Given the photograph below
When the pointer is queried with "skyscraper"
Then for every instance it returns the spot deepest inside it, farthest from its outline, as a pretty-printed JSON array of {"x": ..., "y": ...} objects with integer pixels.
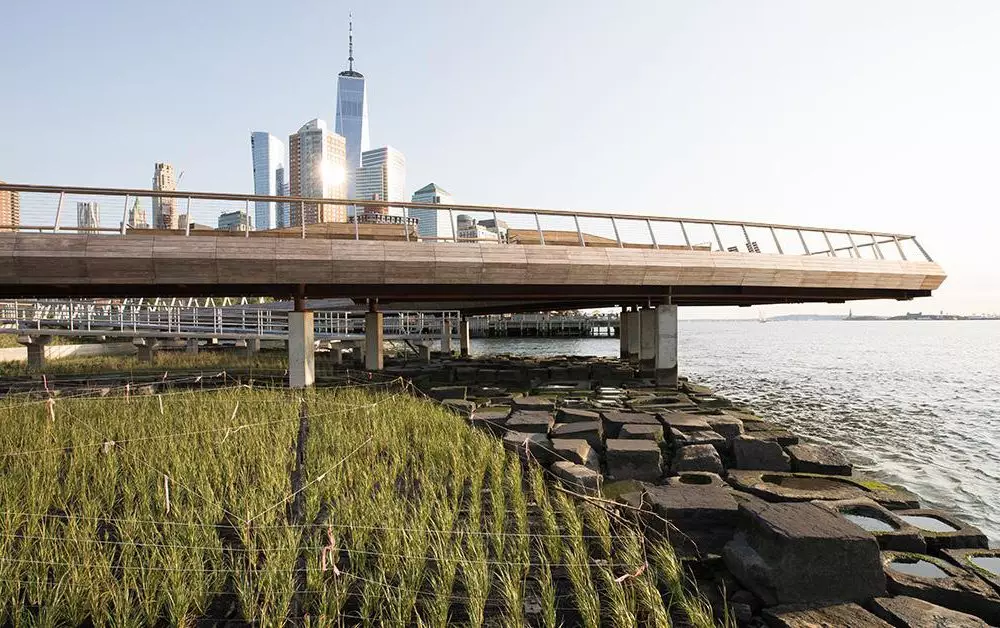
[
  {"x": 433, "y": 224},
  {"x": 137, "y": 217},
  {"x": 317, "y": 164},
  {"x": 352, "y": 113},
  {"x": 269, "y": 179},
  {"x": 88, "y": 215},
  {"x": 10, "y": 209},
  {"x": 164, "y": 209},
  {"x": 382, "y": 172},
  {"x": 234, "y": 221}
]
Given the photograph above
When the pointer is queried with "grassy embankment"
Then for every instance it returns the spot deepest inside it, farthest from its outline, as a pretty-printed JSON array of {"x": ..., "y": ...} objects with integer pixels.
[
  {"x": 165, "y": 361},
  {"x": 187, "y": 505}
]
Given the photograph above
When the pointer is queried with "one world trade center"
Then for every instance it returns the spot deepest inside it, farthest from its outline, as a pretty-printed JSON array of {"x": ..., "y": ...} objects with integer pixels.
[{"x": 352, "y": 113}]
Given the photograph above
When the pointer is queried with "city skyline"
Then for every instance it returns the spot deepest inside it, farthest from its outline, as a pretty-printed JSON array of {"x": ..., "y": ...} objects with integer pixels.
[
  {"x": 351, "y": 118},
  {"x": 88, "y": 215},
  {"x": 270, "y": 178},
  {"x": 317, "y": 168}
]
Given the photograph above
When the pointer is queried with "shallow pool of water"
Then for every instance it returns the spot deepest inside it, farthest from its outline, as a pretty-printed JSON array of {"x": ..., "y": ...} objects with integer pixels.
[
  {"x": 872, "y": 524},
  {"x": 931, "y": 524},
  {"x": 918, "y": 567},
  {"x": 989, "y": 563}
]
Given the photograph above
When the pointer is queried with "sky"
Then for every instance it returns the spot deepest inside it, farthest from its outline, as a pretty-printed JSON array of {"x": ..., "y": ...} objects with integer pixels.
[{"x": 869, "y": 114}]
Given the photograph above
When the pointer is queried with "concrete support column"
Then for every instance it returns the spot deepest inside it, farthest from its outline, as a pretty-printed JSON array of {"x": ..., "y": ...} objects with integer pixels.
[
  {"x": 666, "y": 346},
  {"x": 647, "y": 341},
  {"x": 191, "y": 346},
  {"x": 424, "y": 352},
  {"x": 373, "y": 341},
  {"x": 253, "y": 346},
  {"x": 146, "y": 349},
  {"x": 336, "y": 353},
  {"x": 632, "y": 322},
  {"x": 623, "y": 335},
  {"x": 446, "y": 337},
  {"x": 463, "y": 337},
  {"x": 36, "y": 350},
  {"x": 301, "y": 350}
]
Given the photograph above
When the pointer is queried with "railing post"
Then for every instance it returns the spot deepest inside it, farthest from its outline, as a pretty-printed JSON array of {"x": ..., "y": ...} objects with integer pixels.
[
  {"x": 579, "y": 232},
  {"x": 246, "y": 218},
  {"x": 715, "y": 230},
  {"x": 854, "y": 246},
  {"x": 125, "y": 215},
  {"x": 187, "y": 217},
  {"x": 776, "y": 242},
  {"x": 878, "y": 249},
  {"x": 451, "y": 222},
  {"x": 496, "y": 225},
  {"x": 899, "y": 247},
  {"x": 357, "y": 229},
  {"x": 922, "y": 251},
  {"x": 538, "y": 225},
  {"x": 829, "y": 245},
  {"x": 618, "y": 238},
  {"x": 687, "y": 241},
  {"x": 652, "y": 236},
  {"x": 802, "y": 238},
  {"x": 62, "y": 195}
]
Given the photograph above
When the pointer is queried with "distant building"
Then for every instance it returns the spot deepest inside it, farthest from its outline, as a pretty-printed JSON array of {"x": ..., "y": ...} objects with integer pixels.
[
  {"x": 481, "y": 230},
  {"x": 351, "y": 121},
  {"x": 382, "y": 173},
  {"x": 164, "y": 209},
  {"x": 270, "y": 178},
  {"x": 433, "y": 223},
  {"x": 317, "y": 159},
  {"x": 234, "y": 221},
  {"x": 137, "y": 217},
  {"x": 10, "y": 209},
  {"x": 88, "y": 215},
  {"x": 379, "y": 215}
]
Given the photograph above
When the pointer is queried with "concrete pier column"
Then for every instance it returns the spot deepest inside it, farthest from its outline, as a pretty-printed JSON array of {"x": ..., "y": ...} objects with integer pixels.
[
  {"x": 301, "y": 350},
  {"x": 146, "y": 349},
  {"x": 623, "y": 335},
  {"x": 446, "y": 337},
  {"x": 632, "y": 322},
  {"x": 373, "y": 341},
  {"x": 191, "y": 346},
  {"x": 36, "y": 350},
  {"x": 666, "y": 346},
  {"x": 647, "y": 341},
  {"x": 463, "y": 337},
  {"x": 336, "y": 353},
  {"x": 253, "y": 346},
  {"x": 424, "y": 352}
]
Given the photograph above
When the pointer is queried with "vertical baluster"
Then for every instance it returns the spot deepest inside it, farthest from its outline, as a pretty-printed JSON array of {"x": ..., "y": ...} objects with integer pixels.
[
  {"x": 687, "y": 241},
  {"x": 776, "y": 242},
  {"x": 652, "y": 236},
  {"x": 829, "y": 245},
  {"x": 715, "y": 230},
  {"x": 579, "y": 232},
  {"x": 618, "y": 238}
]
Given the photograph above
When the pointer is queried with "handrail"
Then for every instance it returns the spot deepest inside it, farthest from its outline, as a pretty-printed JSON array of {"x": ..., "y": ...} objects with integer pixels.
[{"x": 217, "y": 196}]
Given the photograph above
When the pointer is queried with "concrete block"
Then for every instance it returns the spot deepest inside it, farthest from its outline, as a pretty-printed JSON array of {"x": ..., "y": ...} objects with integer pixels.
[
  {"x": 633, "y": 459},
  {"x": 818, "y": 459},
  {"x": 752, "y": 453}
]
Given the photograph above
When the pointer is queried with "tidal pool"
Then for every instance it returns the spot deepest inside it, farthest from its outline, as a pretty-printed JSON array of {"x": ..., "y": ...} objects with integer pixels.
[
  {"x": 931, "y": 524},
  {"x": 918, "y": 567}
]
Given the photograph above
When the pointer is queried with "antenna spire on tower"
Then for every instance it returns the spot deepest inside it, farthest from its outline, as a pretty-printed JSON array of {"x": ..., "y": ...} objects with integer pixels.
[{"x": 350, "y": 41}]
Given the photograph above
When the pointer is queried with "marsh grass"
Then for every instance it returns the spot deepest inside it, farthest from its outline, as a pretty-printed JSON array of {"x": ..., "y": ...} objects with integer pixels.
[{"x": 410, "y": 518}]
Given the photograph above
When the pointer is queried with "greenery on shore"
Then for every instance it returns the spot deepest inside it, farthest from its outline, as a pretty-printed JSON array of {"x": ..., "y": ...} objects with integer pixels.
[
  {"x": 136, "y": 510},
  {"x": 165, "y": 361}
]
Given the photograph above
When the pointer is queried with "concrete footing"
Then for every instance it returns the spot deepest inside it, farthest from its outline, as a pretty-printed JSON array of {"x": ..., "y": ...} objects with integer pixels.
[
  {"x": 623, "y": 334},
  {"x": 424, "y": 352},
  {"x": 301, "y": 350},
  {"x": 647, "y": 339},
  {"x": 36, "y": 350},
  {"x": 665, "y": 363},
  {"x": 632, "y": 335},
  {"x": 191, "y": 346},
  {"x": 146, "y": 349},
  {"x": 373, "y": 341},
  {"x": 446, "y": 337}
]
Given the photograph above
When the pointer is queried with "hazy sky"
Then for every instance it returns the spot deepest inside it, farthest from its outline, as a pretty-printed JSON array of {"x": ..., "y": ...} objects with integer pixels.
[{"x": 882, "y": 115}]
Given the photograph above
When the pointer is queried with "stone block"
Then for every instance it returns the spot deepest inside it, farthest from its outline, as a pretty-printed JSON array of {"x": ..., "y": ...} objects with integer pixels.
[
  {"x": 466, "y": 373},
  {"x": 533, "y": 403},
  {"x": 685, "y": 422},
  {"x": 576, "y": 415},
  {"x": 818, "y": 459},
  {"x": 578, "y": 477},
  {"x": 939, "y": 582},
  {"x": 637, "y": 430},
  {"x": 729, "y": 427},
  {"x": 799, "y": 553},
  {"x": 614, "y": 420},
  {"x": 633, "y": 459},
  {"x": 699, "y": 437},
  {"x": 985, "y": 563},
  {"x": 592, "y": 432},
  {"x": 491, "y": 419},
  {"x": 835, "y": 616},
  {"x": 943, "y": 531},
  {"x": 509, "y": 376},
  {"x": 447, "y": 392},
  {"x": 530, "y": 421},
  {"x": 891, "y": 532},
  {"x": 781, "y": 436},
  {"x": 697, "y": 478},
  {"x": 463, "y": 407},
  {"x": 752, "y": 453},
  {"x": 530, "y": 446},
  {"x": 697, "y": 458},
  {"x": 910, "y": 612},
  {"x": 791, "y": 487},
  {"x": 576, "y": 450},
  {"x": 703, "y": 517}
]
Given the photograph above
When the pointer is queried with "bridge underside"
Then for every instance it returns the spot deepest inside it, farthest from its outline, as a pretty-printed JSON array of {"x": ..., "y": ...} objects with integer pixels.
[{"x": 477, "y": 278}]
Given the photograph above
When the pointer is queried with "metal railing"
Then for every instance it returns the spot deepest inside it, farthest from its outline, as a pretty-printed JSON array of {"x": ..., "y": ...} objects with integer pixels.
[
  {"x": 45, "y": 209},
  {"x": 91, "y": 318}
]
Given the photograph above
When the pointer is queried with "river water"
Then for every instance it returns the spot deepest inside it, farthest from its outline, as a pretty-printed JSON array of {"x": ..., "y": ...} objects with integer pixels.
[{"x": 915, "y": 403}]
